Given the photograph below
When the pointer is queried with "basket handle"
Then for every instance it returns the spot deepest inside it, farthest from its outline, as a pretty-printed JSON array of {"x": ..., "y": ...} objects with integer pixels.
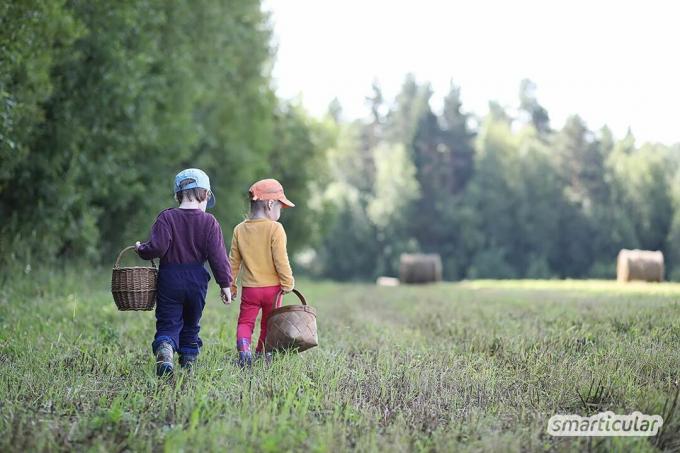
[
  {"x": 279, "y": 296},
  {"x": 132, "y": 247}
]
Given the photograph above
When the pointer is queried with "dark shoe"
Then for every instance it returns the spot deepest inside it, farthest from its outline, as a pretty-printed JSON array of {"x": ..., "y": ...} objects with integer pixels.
[
  {"x": 187, "y": 361},
  {"x": 245, "y": 359},
  {"x": 164, "y": 359}
]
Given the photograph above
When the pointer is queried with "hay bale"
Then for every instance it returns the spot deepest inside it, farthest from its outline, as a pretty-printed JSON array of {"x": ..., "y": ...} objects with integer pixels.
[
  {"x": 644, "y": 265},
  {"x": 420, "y": 268},
  {"x": 387, "y": 281}
]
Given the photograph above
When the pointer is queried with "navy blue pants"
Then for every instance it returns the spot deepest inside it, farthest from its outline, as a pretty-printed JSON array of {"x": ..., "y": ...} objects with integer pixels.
[{"x": 179, "y": 306}]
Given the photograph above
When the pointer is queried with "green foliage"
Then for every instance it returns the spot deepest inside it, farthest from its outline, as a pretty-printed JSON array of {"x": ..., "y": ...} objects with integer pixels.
[
  {"x": 33, "y": 35},
  {"x": 538, "y": 115},
  {"x": 643, "y": 181},
  {"x": 296, "y": 162},
  {"x": 350, "y": 248},
  {"x": 395, "y": 184},
  {"x": 510, "y": 198},
  {"x": 104, "y": 102}
]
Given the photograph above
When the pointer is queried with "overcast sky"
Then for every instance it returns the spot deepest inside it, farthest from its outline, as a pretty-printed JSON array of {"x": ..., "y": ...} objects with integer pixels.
[{"x": 613, "y": 62}]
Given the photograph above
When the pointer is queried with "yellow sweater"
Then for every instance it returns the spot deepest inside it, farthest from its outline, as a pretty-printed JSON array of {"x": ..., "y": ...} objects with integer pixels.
[{"x": 259, "y": 255}]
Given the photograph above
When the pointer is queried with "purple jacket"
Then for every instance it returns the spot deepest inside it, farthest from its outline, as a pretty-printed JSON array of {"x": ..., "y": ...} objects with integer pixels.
[{"x": 182, "y": 236}]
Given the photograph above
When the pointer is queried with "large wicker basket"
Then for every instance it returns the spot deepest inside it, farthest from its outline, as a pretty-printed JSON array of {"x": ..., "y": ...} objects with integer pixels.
[
  {"x": 292, "y": 327},
  {"x": 133, "y": 288}
]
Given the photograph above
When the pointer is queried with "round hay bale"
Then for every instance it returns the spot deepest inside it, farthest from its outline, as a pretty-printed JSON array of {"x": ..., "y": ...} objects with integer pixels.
[
  {"x": 420, "y": 268},
  {"x": 642, "y": 265}
]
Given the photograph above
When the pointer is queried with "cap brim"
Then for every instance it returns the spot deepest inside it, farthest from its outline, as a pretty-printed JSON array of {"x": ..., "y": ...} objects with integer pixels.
[
  {"x": 286, "y": 202},
  {"x": 211, "y": 200}
]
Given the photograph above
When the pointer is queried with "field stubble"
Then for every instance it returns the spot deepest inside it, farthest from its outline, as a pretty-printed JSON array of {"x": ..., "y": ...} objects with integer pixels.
[{"x": 466, "y": 366}]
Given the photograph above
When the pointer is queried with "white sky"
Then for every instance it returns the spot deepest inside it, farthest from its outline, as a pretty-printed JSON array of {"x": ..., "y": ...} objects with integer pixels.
[{"x": 614, "y": 62}]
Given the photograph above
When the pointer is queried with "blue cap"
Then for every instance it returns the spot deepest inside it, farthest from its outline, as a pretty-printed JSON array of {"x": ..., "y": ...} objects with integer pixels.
[{"x": 200, "y": 181}]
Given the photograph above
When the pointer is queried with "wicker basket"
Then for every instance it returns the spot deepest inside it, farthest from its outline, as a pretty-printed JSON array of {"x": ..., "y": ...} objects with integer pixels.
[
  {"x": 134, "y": 288},
  {"x": 292, "y": 327}
]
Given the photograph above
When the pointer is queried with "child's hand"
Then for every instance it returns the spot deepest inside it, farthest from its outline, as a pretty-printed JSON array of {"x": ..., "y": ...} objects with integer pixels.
[
  {"x": 225, "y": 294},
  {"x": 137, "y": 244}
]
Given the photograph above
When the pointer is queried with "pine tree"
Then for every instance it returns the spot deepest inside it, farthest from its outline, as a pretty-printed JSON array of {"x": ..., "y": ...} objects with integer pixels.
[
  {"x": 457, "y": 138},
  {"x": 538, "y": 115}
]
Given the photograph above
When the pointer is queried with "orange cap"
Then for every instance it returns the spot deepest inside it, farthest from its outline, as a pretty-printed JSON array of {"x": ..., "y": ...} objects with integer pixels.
[{"x": 269, "y": 189}]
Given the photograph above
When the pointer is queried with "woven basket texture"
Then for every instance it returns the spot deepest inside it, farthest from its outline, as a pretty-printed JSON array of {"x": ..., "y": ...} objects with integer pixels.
[
  {"x": 134, "y": 288},
  {"x": 292, "y": 327}
]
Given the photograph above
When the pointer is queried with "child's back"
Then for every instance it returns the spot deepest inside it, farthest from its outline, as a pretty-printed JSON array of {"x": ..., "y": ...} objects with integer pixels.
[
  {"x": 185, "y": 236},
  {"x": 258, "y": 252}
]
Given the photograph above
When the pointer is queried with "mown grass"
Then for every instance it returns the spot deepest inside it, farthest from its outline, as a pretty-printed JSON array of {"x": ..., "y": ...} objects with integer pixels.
[{"x": 451, "y": 367}]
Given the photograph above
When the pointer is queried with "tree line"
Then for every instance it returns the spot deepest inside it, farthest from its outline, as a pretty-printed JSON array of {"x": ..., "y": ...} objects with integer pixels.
[
  {"x": 101, "y": 103},
  {"x": 505, "y": 195}
]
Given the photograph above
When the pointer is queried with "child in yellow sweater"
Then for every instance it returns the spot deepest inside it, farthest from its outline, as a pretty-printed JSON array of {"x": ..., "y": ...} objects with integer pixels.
[{"x": 260, "y": 260}]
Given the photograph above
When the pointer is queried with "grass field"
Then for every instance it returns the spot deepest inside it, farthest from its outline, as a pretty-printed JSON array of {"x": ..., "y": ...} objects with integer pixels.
[{"x": 472, "y": 366}]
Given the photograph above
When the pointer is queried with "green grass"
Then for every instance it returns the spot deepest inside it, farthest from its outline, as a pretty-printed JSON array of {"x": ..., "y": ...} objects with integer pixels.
[{"x": 473, "y": 366}]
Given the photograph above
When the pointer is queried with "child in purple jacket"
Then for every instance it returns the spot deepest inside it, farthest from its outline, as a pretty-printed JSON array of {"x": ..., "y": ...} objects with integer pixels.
[{"x": 184, "y": 238}]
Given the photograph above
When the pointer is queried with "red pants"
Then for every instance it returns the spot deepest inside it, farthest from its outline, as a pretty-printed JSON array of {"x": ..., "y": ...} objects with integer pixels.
[{"x": 252, "y": 300}]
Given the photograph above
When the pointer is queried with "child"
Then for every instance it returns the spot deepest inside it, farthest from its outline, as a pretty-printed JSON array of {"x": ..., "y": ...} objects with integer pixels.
[
  {"x": 184, "y": 238},
  {"x": 258, "y": 251}
]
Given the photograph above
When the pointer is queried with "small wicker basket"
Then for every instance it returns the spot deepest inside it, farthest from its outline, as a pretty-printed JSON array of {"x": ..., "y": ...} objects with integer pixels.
[
  {"x": 291, "y": 327},
  {"x": 134, "y": 288}
]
